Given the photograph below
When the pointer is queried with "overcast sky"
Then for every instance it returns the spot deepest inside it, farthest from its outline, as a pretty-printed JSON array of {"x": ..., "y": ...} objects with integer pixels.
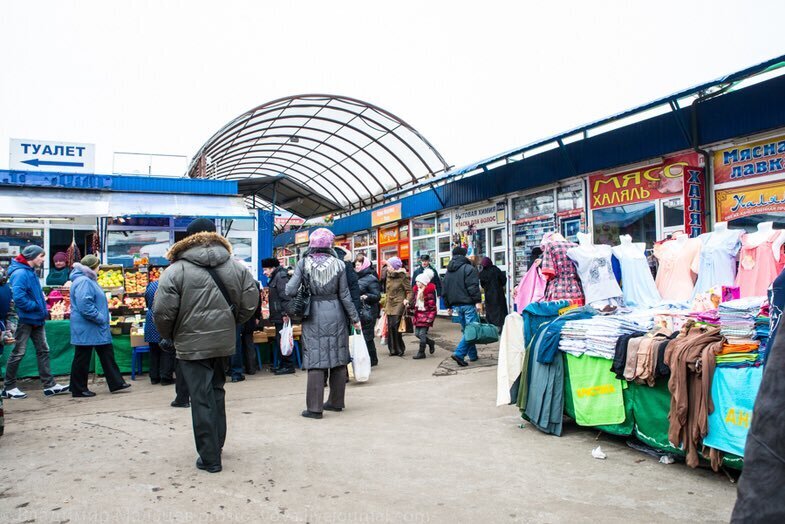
[{"x": 475, "y": 78}]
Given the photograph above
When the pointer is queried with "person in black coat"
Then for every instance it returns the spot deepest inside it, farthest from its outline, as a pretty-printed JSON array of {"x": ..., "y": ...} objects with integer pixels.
[
  {"x": 370, "y": 294},
  {"x": 351, "y": 277},
  {"x": 425, "y": 265},
  {"x": 493, "y": 281},
  {"x": 278, "y": 300}
]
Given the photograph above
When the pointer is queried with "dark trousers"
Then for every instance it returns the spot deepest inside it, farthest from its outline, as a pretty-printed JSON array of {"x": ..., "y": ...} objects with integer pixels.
[
  {"x": 284, "y": 362},
  {"x": 80, "y": 368},
  {"x": 369, "y": 336},
  {"x": 314, "y": 394},
  {"x": 394, "y": 339},
  {"x": 205, "y": 380},
  {"x": 237, "y": 361},
  {"x": 38, "y": 335},
  {"x": 422, "y": 334},
  {"x": 161, "y": 363},
  {"x": 180, "y": 387}
]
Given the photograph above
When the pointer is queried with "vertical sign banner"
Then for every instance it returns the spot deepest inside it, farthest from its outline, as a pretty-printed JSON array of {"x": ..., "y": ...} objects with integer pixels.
[
  {"x": 385, "y": 214},
  {"x": 46, "y": 155},
  {"x": 694, "y": 202},
  {"x": 753, "y": 160}
]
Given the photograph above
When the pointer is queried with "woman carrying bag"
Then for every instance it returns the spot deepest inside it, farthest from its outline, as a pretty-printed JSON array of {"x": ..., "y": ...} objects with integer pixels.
[
  {"x": 325, "y": 335},
  {"x": 90, "y": 330},
  {"x": 370, "y": 294},
  {"x": 397, "y": 290}
]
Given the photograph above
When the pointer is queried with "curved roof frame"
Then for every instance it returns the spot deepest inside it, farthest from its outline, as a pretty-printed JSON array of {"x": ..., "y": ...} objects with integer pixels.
[{"x": 350, "y": 151}]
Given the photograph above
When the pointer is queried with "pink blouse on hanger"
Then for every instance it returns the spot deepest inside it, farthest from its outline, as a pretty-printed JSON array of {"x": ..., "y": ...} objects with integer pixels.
[{"x": 757, "y": 267}]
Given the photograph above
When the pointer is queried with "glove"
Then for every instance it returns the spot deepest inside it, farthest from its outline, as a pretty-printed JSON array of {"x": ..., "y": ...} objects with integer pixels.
[{"x": 166, "y": 345}]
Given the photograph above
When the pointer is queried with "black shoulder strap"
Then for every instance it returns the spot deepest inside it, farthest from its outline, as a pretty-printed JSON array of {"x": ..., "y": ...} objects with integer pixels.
[{"x": 221, "y": 287}]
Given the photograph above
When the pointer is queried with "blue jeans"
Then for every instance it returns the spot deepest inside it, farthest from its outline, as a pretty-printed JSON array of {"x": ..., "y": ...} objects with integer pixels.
[
  {"x": 238, "y": 369},
  {"x": 466, "y": 315}
]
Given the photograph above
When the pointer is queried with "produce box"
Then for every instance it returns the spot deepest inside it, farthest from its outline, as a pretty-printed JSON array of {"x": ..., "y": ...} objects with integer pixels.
[
  {"x": 259, "y": 337},
  {"x": 269, "y": 331},
  {"x": 136, "y": 280},
  {"x": 110, "y": 278},
  {"x": 137, "y": 340},
  {"x": 155, "y": 273}
]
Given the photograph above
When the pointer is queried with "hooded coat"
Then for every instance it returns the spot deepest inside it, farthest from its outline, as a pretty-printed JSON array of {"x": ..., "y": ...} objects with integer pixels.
[
  {"x": 28, "y": 296},
  {"x": 189, "y": 308},
  {"x": 493, "y": 281},
  {"x": 397, "y": 289},
  {"x": 89, "y": 309},
  {"x": 325, "y": 331},
  {"x": 278, "y": 299},
  {"x": 370, "y": 287},
  {"x": 461, "y": 286}
]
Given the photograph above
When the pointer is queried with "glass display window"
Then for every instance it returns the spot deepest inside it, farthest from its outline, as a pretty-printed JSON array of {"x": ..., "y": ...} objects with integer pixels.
[
  {"x": 123, "y": 245},
  {"x": 497, "y": 238},
  {"x": 424, "y": 246},
  {"x": 537, "y": 204},
  {"x": 673, "y": 213},
  {"x": 444, "y": 224},
  {"x": 637, "y": 220},
  {"x": 570, "y": 197},
  {"x": 360, "y": 241},
  {"x": 14, "y": 240},
  {"x": 403, "y": 232},
  {"x": 423, "y": 227}
]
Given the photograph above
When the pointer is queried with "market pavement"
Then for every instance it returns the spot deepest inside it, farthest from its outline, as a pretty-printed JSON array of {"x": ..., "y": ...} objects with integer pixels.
[{"x": 421, "y": 442}]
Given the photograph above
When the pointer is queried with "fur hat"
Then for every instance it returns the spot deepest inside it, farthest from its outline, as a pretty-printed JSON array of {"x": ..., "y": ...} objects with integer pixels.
[
  {"x": 200, "y": 225},
  {"x": 270, "y": 262}
]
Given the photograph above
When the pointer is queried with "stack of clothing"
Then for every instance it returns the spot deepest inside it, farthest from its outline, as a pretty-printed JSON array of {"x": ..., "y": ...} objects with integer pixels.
[
  {"x": 597, "y": 336},
  {"x": 641, "y": 356},
  {"x": 763, "y": 326},
  {"x": 710, "y": 317},
  {"x": 737, "y": 318}
]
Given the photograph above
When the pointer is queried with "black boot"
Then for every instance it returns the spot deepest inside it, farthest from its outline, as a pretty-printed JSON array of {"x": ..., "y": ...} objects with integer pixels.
[
  {"x": 421, "y": 353},
  {"x": 431, "y": 345}
]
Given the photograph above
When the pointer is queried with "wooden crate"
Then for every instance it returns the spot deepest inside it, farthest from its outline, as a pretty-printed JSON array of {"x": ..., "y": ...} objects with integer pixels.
[{"x": 259, "y": 337}]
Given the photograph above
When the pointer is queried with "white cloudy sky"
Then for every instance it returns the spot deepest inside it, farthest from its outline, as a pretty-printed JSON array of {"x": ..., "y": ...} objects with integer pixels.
[{"x": 476, "y": 78}]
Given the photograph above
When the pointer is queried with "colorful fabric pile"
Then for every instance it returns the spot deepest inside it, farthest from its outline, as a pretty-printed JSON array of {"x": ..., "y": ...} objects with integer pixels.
[
  {"x": 737, "y": 318},
  {"x": 597, "y": 336}
]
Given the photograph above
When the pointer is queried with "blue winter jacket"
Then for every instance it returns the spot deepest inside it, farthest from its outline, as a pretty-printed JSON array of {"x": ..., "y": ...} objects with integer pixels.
[
  {"x": 89, "y": 309},
  {"x": 28, "y": 295}
]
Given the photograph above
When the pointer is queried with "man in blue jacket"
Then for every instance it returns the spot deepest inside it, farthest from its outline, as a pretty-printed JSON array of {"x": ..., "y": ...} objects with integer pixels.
[{"x": 31, "y": 310}]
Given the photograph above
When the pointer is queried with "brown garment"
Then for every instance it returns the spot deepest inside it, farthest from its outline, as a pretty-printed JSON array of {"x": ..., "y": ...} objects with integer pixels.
[
  {"x": 398, "y": 289},
  {"x": 647, "y": 355},
  {"x": 632, "y": 357},
  {"x": 691, "y": 358}
]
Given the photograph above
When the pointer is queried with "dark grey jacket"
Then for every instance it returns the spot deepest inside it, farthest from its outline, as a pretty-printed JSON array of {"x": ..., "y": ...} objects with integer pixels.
[
  {"x": 325, "y": 331},
  {"x": 190, "y": 309},
  {"x": 278, "y": 298}
]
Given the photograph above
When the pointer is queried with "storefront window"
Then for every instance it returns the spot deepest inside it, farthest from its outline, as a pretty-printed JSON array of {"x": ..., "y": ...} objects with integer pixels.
[
  {"x": 423, "y": 226},
  {"x": 445, "y": 246},
  {"x": 360, "y": 241},
  {"x": 637, "y": 220},
  {"x": 123, "y": 245},
  {"x": 424, "y": 246},
  {"x": 142, "y": 222},
  {"x": 497, "y": 238},
  {"x": 570, "y": 197},
  {"x": 61, "y": 239},
  {"x": 403, "y": 233},
  {"x": 444, "y": 224},
  {"x": 14, "y": 240},
  {"x": 538, "y": 204},
  {"x": 673, "y": 213}
]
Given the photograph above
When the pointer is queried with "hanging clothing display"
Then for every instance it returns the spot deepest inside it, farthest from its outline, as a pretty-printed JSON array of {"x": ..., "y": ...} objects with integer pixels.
[
  {"x": 562, "y": 276},
  {"x": 595, "y": 269},
  {"x": 716, "y": 265},
  {"x": 757, "y": 266},
  {"x": 637, "y": 282},
  {"x": 531, "y": 288},
  {"x": 733, "y": 392},
  {"x": 675, "y": 279}
]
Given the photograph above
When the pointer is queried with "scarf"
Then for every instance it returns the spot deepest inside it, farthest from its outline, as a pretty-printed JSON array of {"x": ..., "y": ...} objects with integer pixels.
[{"x": 366, "y": 263}]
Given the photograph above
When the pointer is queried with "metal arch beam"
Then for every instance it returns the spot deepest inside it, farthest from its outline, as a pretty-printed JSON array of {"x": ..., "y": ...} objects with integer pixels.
[
  {"x": 330, "y": 146},
  {"x": 253, "y": 156},
  {"x": 274, "y": 105},
  {"x": 294, "y": 187},
  {"x": 363, "y": 133},
  {"x": 306, "y": 176}
]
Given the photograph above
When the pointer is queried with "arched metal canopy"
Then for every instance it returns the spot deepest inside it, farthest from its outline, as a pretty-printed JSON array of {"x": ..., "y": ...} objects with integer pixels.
[{"x": 317, "y": 154}]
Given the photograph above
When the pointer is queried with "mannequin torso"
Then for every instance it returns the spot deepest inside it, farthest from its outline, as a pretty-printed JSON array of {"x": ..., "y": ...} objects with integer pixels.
[{"x": 764, "y": 233}]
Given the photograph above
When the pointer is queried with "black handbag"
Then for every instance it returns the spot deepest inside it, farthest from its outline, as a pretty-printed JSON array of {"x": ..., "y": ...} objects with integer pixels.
[
  {"x": 366, "y": 313},
  {"x": 300, "y": 305}
]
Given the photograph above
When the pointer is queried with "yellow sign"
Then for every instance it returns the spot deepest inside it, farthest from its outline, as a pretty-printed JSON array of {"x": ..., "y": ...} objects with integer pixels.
[
  {"x": 750, "y": 200},
  {"x": 301, "y": 237},
  {"x": 388, "y": 235},
  {"x": 386, "y": 214}
]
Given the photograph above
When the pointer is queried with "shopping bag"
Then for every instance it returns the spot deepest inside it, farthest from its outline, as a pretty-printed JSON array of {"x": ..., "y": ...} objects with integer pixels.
[
  {"x": 287, "y": 338},
  {"x": 381, "y": 325},
  {"x": 361, "y": 360},
  {"x": 480, "y": 333}
]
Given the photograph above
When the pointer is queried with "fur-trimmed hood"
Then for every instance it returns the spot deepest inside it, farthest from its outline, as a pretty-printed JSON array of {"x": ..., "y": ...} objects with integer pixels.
[
  {"x": 82, "y": 270},
  {"x": 205, "y": 249}
]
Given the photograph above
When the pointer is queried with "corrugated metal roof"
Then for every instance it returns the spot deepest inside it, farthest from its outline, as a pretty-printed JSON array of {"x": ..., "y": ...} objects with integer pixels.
[{"x": 156, "y": 184}]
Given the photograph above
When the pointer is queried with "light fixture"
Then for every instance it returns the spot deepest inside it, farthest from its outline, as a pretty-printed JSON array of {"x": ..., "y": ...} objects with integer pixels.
[{"x": 294, "y": 139}]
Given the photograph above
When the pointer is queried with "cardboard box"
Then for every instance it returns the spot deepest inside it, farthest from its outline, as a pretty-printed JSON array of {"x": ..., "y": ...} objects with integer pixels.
[
  {"x": 137, "y": 340},
  {"x": 259, "y": 337}
]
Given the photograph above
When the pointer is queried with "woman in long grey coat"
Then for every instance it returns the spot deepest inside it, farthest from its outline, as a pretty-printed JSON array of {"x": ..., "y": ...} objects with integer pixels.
[{"x": 325, "y": 334}]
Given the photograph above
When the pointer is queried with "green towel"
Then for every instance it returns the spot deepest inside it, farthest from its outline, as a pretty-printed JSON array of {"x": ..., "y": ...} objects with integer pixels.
[{"x": 595, "y": 390}]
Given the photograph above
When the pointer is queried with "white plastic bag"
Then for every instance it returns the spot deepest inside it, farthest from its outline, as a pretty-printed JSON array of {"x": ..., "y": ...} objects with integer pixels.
[
  {"x": 287, "y": 338},
  {"x": 361, "y": 360}
]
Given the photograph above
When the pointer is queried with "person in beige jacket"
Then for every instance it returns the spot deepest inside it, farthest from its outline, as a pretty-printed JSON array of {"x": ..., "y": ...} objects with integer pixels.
[
  {"x": 191, "y": 313},
  {"x": 397, "y": 290}
]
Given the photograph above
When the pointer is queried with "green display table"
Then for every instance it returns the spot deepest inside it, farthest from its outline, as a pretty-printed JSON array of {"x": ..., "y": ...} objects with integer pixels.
[
  {"x": 647, "y": 410},
  {"x": 61, "y": 352}
]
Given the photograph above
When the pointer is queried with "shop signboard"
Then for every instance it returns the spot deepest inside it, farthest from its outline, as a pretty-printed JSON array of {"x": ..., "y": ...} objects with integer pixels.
[
  {"x": 301, "y": 237},
  {"x": 479, "y": 217},
  {"x": 288, "y": 223},
  {"x": 750, "y": 161},
  {"x": 694, "y": 202},
  {"x": 663, "y": 180},
  {"x": 403, "y": 250},
  {"x": 386, "y": 214},
  {"x": 47, "y": 155},
  {"x": 750, "y": 200},
  {"x": 388, "y": 235}
]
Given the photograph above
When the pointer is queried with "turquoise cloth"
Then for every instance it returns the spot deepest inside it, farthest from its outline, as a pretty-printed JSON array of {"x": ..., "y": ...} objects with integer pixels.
[{"x": 733, "y": 391}]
